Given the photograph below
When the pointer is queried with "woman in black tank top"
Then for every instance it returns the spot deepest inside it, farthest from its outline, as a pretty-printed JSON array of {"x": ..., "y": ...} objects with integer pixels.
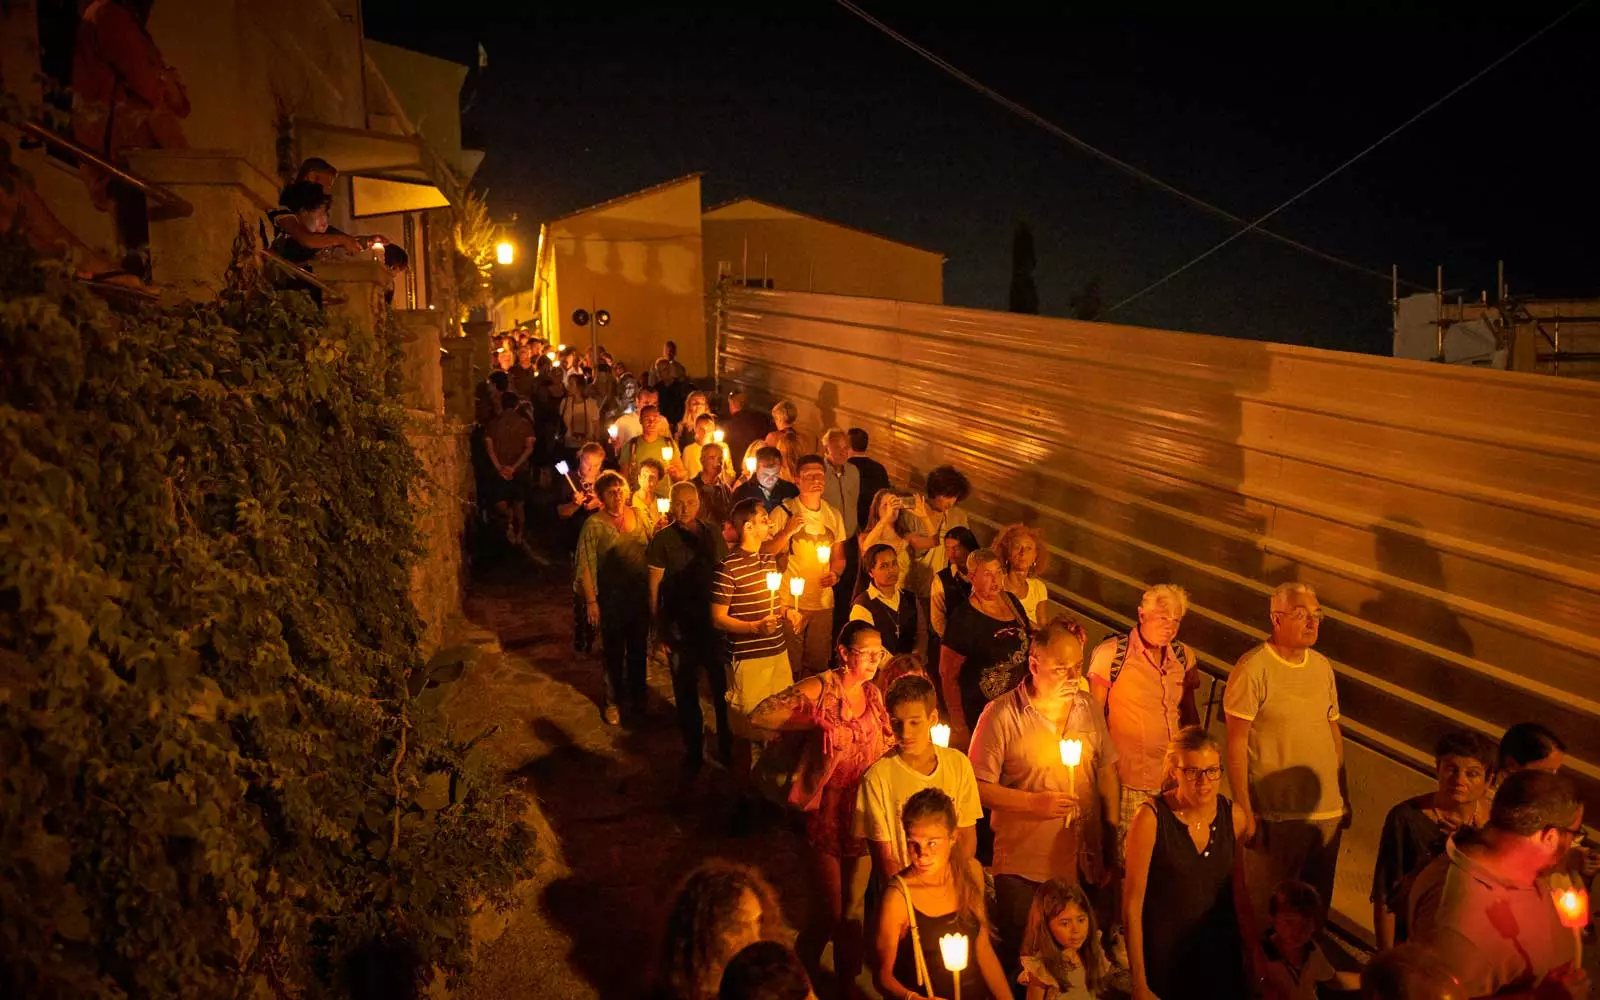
[
  {"x": 939, "y": 893},
  {"x": 1184, "y": 899}
]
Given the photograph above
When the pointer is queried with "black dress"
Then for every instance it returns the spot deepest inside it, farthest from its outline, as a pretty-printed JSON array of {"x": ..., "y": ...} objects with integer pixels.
[
  {"x": 1192, "y": 946},
  {"x": 929, "y": 931}
]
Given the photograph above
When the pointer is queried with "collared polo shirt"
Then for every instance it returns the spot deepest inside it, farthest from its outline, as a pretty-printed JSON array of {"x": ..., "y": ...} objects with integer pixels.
[
  {"x": 843, "y": 491},
  {"x": 1015, "y": 746},
  {"x": 1493, "y": 935},
  {"x": 741, "y": 585},
  {"x": 1143, "y": 705}
]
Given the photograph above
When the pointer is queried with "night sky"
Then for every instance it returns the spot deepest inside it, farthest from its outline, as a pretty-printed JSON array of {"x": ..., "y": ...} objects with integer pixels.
[{"x": 811, "y": 108}]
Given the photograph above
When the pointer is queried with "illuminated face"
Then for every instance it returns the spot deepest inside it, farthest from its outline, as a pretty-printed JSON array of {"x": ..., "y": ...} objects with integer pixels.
[
  {"x": 1070, "y": 928},
  {"x": 314, "y": 219},
  {"x": 1158, "y": 624},
  {"x": 767, "y": 474},
  {"x": 811, "y": 481},
  {"x": 911, "y": 722},
  {"x": 505, "y": 358},
  {"x": 941, "y": 504},
  {"x": 1022, "y": 553},
  {"x": 614, "y": 498},
  {"x": 1296, "y": 624},
  {"x": 864, "y": 658},
  {"x": 1056, "y": 666},
  {"x": 838, "y": 450},
  {"x": 648, "y": 480},
  {"x": 693, "y": 407},
  {"x": 1198, "y": 774},
  {"x": 987, "y": 579},
  {"x": 955, "y": 554},
  {"x": 711, "y": 462},
  {"x": 885, "y": 572},
  {"x": 589, "y": 465},
  {"x": 688, "y": 507},
  {"x": 1463, "y": 779},
  {"x": 760, "y": 526},
  {"x": 928, "y": 844}
]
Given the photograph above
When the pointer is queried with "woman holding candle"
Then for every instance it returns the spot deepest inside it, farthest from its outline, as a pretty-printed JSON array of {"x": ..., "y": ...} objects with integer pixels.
[
  {"x": 648, "y": 502},
  {"x": 615, "y": 581},
  {"x": 1184, "y": 901},
  {"x": 939, "y": 896},
  {"x": 985, "y": 648},
  {"x": 846, "y": 715}
]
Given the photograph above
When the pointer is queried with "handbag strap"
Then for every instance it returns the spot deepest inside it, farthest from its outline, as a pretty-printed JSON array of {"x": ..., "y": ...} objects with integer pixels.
[{"x": 923, "y": 981}]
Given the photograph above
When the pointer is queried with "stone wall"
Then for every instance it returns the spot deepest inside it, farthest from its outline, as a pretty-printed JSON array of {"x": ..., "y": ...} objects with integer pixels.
[{"x": 443, "y": 503}]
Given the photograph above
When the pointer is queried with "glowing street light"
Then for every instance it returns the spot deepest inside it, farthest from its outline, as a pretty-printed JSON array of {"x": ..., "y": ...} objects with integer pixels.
[{"x": 505, "y": 252}]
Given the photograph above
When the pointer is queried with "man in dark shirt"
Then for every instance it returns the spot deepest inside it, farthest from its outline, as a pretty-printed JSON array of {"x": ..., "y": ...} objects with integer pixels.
[
  {"x": 510, "y": 444},
  {"x": 744, "y": 427},
  {"x": 765, "y": 487},
  {"x": 874, "y": 476},
  {"x": 683, "y": 558}
]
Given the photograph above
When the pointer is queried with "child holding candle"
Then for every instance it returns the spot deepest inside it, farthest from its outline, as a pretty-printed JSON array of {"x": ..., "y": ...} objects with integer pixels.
[
  {"x": 941, "y": 893},
  {"x": 1061, "y": 956}
]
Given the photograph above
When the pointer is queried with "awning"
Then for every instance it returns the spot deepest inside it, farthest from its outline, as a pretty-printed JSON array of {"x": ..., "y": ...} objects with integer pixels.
[
  {"x": 376, "y": 196},
  {"x": 403, "y": 160}
]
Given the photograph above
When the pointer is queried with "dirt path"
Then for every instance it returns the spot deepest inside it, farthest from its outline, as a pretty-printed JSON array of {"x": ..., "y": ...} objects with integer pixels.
[{"x": 626, "y": 830}]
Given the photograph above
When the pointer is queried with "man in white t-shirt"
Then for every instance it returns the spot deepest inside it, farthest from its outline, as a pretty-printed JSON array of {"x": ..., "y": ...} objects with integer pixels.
[
  {"x": 1286, "y": 753},
  {"x": 916, "y": 763},
  {"x": 802, "y": 527}
]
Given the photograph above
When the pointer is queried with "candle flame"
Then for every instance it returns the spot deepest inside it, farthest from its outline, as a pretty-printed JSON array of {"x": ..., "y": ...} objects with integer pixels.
[
  {"x": 1573, "y": 907},
  {"x": 666, "y": 454},
  {"x": 750, "y": 464},
  {"x": 774, "y": 581},
  {"x": 824, "y": 552},
  {"x": 940, "y": 735},
  {"x": 663, "y": 504},
  {"x": 953, "y": 948},
  {"x": 1071, "y": 752},
  {"x": 797, "y": 586},
  {"x": 718, "y": 435}
]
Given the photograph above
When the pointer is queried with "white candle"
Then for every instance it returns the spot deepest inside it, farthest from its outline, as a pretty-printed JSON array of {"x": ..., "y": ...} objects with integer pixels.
[
  {"x": 940, "y": 735},
  {"x": 613, "y": 430},
  {"x": 824, "y": 553},
  {"x": 774, "y": 581},
  {"x": 563, "y": 468},
  {"x": 953, "y": 948},
  {"x": 750, "y": 465},
  {"x": 666, "y": 454},
  {"x": 718, "y": 435},
  {"x": 797, "y": 586},
  {"x": 663, "y": 504},
  {"x": 1072, "y": 752}
]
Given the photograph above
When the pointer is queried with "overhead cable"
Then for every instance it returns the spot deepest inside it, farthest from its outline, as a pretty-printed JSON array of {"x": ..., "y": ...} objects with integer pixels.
[
  {"x": 1120, "y": 164},
  {"x": 1255, "y": 224}
]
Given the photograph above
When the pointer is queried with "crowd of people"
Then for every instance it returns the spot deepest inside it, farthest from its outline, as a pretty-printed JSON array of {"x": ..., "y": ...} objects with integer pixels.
[{"x": 963, "y": 763}]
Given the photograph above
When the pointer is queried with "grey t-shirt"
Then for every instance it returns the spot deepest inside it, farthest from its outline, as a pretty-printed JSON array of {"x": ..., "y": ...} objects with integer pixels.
[{"x": 1294, "y": 765}]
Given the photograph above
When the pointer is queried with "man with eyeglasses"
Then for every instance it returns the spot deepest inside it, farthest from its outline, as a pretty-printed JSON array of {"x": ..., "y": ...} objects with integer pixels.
[
  {"x": 1485, "y": 905},
  {"x": 802, "y": 527},
  {"x": 1286, "y": 753},
  {"x": 1049, "y": 819}
]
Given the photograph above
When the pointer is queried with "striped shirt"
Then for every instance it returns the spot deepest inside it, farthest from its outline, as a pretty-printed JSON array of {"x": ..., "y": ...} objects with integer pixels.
[{"x": 741, "y": 584}]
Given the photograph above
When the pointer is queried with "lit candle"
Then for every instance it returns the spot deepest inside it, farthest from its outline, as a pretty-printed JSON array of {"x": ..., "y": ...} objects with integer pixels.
[
  {"x": 774, "y": 581},
  {"x": 613, "y": 430},
  {"x": 552, "y": 357},
  {"x": 1072, "y": 752},
  {"x": 717, "y": 435},
  {"x": 563, "y": 468},
  {"x": 562, "y": 347},
  {"x": 953, "y": 948},
  {"x": 797, "y": 586},
  {"x": 940, "y": 734},
  {"x": 666, "y": 454},
  {"x": 750, "y": 465},
  {"x": 824, "y": 552},
  {"x": 1572, "y": 905},
  {"x": 663, "y": 504}
]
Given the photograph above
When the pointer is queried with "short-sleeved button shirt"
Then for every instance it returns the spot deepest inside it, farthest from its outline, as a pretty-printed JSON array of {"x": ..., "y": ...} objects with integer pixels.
[
  {"x": 689, "y": 561},
  {"x": 1294, "y": 765},
  {"x": 741, "y": 585},
  {"x": 1015, "y": 746},
  {"x": 1142, "y": 709}
]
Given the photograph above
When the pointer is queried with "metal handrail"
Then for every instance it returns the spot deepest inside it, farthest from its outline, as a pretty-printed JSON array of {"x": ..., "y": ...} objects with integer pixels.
[
  {"x": 301, "y": 274},
  {"x": 176, "y": 206}
]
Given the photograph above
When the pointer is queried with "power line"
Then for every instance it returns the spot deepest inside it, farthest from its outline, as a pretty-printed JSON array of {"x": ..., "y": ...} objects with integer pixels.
[
  {"x": 1255, "y": 224},
  {"x": 1120, "y": 164}
]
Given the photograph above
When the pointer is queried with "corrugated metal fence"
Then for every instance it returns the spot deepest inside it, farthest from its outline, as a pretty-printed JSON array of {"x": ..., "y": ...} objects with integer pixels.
[{"x": 1449, "y": 518}]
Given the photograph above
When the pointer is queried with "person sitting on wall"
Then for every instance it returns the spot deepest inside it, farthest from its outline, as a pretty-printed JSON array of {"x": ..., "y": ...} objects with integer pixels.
[{"x": 302, "y": 228}]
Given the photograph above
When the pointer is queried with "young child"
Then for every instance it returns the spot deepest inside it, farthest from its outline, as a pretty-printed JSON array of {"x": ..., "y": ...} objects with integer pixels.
[
  {"x": 1295, "y": 965},
  {"x": 1061, "y": 957}
]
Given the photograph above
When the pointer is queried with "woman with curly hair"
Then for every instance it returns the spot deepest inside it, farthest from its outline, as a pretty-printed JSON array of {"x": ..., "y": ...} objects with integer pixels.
[
  {"x": 1023, "y": 556},
  {"x": 719, "y": 908}
]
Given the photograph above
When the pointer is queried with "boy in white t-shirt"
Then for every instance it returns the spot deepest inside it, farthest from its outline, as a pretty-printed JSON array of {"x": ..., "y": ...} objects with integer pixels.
[{"x": 916, "y": 763}]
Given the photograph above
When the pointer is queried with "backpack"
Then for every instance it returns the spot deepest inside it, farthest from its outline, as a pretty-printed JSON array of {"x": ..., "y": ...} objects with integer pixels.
[{"x": 1121, "y": 655}]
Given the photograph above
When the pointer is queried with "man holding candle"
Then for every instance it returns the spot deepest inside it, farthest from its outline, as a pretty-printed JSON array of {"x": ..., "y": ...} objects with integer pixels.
[
  {"x": 916, "y": 762},
  {"x": 655, "y": 442},
  {"x": 1488, "y": 907},
  {"x": 743, "y": 609},
  {"x": 1047, "y": 816},
  {"x": 804, "y": 527}
]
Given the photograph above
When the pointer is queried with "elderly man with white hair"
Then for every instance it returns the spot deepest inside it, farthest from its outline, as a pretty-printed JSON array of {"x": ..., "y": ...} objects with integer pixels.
[
  {"x": 1286, "y": 753},
  {"x": 1145, "y": 683}
]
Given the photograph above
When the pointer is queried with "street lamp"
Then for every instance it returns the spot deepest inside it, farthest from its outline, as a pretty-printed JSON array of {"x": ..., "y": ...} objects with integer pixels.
[{"x": 505, "y": 252}]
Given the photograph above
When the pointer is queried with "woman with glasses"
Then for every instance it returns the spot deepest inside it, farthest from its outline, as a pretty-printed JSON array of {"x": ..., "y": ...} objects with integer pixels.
[
  {"x": 1184, "y": 901},
  {"x": 844, "y": 713}
]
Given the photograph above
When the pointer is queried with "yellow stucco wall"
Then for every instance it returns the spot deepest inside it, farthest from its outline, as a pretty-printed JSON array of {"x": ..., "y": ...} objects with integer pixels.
[
  {"x": 639, "y": 258},
  {"x": 800, "y": 253}
]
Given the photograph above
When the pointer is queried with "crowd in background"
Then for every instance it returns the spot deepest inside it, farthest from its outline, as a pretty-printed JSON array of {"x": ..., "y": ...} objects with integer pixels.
[{"x": 962, "y": 763}]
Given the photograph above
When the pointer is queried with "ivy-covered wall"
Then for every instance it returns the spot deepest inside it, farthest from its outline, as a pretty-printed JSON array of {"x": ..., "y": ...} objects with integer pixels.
[{"x": 220, "y": 771}]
